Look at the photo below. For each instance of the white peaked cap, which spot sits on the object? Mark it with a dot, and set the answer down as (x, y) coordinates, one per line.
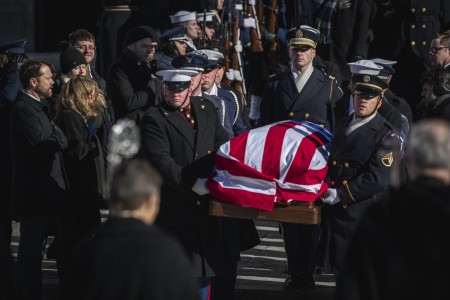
(177, 75)
(182, 16)
(209, 17)
(364, 67)
(210, 54)
(384, 61)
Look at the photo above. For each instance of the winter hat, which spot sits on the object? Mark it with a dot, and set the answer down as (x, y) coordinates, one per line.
(138, 33)
(70, 58)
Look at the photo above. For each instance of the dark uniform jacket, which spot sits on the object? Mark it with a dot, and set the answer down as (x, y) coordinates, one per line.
(182, 155)
(235, 113)
(282, 101)
(360, 163)
(127, 87)
(128, 259)
(359, 168)
(400, 250)
(38, 182)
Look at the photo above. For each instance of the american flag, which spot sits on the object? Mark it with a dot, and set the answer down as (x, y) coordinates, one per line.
(281, 162)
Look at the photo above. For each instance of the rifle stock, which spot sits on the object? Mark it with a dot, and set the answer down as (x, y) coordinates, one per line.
(255, 38)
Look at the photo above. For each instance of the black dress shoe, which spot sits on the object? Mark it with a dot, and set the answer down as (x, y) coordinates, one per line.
(302, 282)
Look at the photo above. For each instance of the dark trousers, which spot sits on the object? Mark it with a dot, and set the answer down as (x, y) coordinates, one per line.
(301, 242)
(33, 233)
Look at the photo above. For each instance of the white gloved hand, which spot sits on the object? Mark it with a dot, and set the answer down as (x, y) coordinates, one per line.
(200, 187)
(250, 22)
(238, 47)
(252, 2)
(331, 197)
(230, 74)
(237, 75)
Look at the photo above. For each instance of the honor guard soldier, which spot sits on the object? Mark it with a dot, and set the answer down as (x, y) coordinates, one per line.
(173, 43)
(363, 155)
(300, 92)
(189, 21)
(180, 137)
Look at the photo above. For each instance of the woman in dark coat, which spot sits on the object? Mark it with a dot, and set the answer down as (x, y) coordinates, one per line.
(78, 110)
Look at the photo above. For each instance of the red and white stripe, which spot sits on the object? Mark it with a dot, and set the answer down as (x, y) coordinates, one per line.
(280, 162)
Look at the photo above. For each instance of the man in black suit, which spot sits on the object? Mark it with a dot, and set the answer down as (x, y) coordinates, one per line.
(151, 264)
(180, 137)
(38, 182)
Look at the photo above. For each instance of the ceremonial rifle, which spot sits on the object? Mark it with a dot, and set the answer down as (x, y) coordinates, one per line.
(236, 60)
(255, 34)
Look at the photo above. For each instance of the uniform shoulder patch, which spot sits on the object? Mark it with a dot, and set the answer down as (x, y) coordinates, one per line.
(387, 159)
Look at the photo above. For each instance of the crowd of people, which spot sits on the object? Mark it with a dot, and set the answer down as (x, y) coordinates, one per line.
(213, 76)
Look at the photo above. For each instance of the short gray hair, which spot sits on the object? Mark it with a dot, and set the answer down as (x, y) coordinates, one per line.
(429, 144)
(133, 182)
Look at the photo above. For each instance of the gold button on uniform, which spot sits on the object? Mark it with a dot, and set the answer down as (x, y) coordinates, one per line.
(291, 114)
(413, 26)
(424, 9)
(413, 43)
(413, 10)
(306, 116)
(209, 151)
(346, 165)
(424, 43)
(424, 26)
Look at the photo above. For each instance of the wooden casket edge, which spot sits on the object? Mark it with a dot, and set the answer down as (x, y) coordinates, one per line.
(303, 213)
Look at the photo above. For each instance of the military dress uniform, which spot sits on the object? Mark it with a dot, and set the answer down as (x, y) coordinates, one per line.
(315, 102)
(360, 166)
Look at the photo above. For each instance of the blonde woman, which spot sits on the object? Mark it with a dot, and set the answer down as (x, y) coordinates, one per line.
(78, 113)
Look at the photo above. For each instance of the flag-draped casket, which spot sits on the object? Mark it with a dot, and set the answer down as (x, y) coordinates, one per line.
(281, 162)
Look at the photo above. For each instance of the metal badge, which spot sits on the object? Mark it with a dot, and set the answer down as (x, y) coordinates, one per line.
(387, 160)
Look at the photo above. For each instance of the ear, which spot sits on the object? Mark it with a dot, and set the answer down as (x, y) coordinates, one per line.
(380, 101)
(33, 81)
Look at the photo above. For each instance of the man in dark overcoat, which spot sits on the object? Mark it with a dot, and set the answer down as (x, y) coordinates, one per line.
(152, 263)
(38, 182)
(180, 137)
(130, 84)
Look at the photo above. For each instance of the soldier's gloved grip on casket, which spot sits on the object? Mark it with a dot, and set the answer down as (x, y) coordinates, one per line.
(200, 187)
(331, 197)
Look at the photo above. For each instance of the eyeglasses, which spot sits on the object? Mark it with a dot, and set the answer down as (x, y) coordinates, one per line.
(153, 46)
(86, 48)
(436, 49)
